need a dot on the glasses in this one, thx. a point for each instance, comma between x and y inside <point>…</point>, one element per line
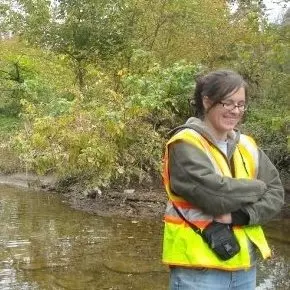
<point>231,106</point>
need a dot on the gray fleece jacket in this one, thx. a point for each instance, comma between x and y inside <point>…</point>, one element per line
<point>193,177</point>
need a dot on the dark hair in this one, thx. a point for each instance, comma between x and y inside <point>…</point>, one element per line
<point>216,86</point>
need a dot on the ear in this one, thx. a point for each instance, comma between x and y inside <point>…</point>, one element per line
<point>207,103</point>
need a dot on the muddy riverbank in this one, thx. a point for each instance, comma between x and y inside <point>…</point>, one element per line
<point>144,203</point>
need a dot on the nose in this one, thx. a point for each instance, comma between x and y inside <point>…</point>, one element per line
<point>236,110</point>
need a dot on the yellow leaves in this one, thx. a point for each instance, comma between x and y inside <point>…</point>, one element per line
<point>120,170</point>
<point>90,160</point>
<point>114,96</point>
<point>28,107</point>
<point>39,141</point>
<point>122,72</point>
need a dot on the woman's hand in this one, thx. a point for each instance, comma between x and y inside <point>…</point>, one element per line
<point>224,218</point>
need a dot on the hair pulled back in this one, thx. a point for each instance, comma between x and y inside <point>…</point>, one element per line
<point>216,85</point>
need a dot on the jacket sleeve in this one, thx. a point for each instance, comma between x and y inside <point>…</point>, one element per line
<point>193,177</point>
<point>272,201</point>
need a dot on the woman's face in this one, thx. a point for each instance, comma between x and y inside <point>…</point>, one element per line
<point>225,115</point>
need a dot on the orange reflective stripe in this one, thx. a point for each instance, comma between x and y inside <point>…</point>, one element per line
<point>165,171</point>
<point>177,220</point>
<point>199,223</point>
<point>183,204</point>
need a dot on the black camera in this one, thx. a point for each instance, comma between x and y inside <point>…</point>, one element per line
<point>221,239</point>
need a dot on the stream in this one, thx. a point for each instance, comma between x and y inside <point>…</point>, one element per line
<point>45,244</point>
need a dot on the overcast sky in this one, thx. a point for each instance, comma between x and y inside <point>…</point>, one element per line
<point>276,11</point>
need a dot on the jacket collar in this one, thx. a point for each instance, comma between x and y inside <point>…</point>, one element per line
<point>199,126</point>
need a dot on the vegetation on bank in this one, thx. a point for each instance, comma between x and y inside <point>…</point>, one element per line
<point>89,89</point>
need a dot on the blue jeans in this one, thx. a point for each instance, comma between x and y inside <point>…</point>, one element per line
<point>211,279</point>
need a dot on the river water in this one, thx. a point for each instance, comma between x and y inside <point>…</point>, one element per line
<point>45,244</point>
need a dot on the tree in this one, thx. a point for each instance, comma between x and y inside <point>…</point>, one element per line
<point>134,63</point>
<point>31,74</point>
<point>84,31</point>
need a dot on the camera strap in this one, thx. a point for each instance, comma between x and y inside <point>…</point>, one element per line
<point>219,238</point>
<point>193,226</point>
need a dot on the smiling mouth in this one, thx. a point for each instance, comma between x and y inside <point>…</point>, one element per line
<point>232,119</point>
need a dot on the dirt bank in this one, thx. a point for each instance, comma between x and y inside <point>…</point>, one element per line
<point>130,203</point>
<point>148,204</point>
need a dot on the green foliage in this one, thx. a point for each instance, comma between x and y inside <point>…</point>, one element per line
<point>69,145</point>
<point>30,74</point>
<point>9,160</point>
<point>83,31</point>
<point>8,125</point>
<point>99,83</point>
<point>164,92</point>
<point>111,138</point>
<point>268,118</point>
<point>270,133</point>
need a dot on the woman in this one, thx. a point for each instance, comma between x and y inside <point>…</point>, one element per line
<point>221,187</point>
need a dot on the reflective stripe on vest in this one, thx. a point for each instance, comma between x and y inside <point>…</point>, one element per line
<point>181,245</point>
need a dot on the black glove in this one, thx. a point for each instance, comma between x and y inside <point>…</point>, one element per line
<point>240,218</point>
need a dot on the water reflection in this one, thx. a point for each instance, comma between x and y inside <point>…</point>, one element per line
<point>275,272</point>
<point>47,245</point>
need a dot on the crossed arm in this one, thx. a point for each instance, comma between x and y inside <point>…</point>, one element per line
<point>193,177</point>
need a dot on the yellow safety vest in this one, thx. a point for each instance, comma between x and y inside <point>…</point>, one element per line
<point>181,245</point>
